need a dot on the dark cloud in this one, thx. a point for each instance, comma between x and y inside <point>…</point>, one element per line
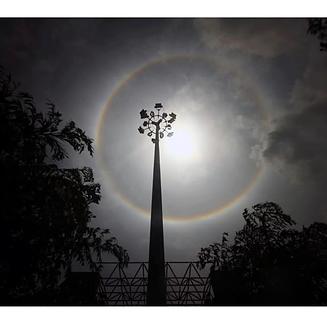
<point>310,87</point>
<point>297,151</point>
<point>263,37</point>
<point>300,141</point>
<point>268,63</point>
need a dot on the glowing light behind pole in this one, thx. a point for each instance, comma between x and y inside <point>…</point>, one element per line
<point>190,148</point>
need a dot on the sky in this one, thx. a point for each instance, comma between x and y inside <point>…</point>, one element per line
<point>250,98</point>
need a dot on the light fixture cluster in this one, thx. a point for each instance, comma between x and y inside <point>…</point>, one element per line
<point>157,124</point>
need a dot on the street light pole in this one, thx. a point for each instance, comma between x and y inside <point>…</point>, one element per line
<point>157,125</point>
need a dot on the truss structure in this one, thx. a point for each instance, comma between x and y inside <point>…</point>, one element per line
<point>186,284</point>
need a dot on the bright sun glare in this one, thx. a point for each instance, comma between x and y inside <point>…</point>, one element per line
<point>184,145</point>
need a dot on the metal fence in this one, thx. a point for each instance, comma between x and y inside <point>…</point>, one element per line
<point>186,284</point>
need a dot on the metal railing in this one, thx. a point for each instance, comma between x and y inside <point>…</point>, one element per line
<point>186,284</point>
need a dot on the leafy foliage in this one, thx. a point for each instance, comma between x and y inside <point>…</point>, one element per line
<point>45,211</point>
<point>269,262</point>
<point>318,27</point>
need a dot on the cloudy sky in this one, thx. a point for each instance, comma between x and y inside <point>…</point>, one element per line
<point>250,98</point>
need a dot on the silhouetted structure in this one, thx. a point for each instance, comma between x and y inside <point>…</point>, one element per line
<point>269,263</point>
<point>156,125</point>
<point>186,284</point>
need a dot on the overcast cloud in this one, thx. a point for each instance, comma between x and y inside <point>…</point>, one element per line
<point>264,102</point>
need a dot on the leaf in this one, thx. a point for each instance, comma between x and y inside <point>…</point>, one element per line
<point>144,114</point>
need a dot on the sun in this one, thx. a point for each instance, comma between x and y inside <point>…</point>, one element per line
<point>184,146</point>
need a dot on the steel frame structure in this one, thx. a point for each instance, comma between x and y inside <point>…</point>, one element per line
<point>186,284</point>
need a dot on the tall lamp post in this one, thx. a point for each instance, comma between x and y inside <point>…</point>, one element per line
<point>156,125</point>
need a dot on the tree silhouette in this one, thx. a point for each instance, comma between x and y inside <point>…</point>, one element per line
<point>45,210</point>
<point>318,27</point>
<point>269,262</point>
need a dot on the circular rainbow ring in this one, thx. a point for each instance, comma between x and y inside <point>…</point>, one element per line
<point>134,74</point>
